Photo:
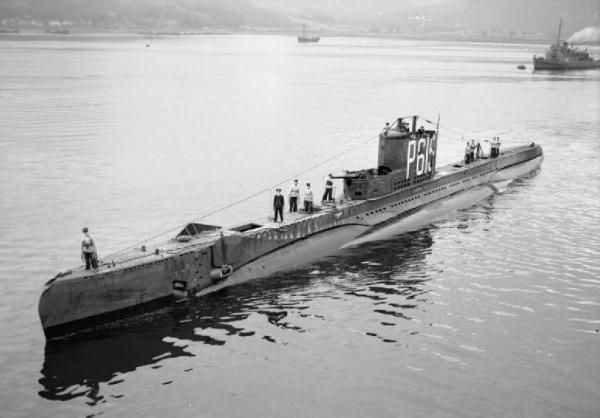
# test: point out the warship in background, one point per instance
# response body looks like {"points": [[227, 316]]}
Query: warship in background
{"points": [[561, 56], [203, 258], [305, 37]]}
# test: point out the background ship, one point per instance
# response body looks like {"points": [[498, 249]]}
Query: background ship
{"points": [[306, 37], [561, 56], [58, 30]]}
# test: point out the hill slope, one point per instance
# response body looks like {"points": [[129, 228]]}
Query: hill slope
{"points": [[143, 13]]}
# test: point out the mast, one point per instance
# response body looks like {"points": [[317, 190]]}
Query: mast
{"points": [[559, 29]]}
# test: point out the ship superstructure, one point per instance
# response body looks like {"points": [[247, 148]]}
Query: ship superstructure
{"points": [[203, 258], [562, 56]]}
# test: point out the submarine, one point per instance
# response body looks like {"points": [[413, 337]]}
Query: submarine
{"points": [[203, 258]]}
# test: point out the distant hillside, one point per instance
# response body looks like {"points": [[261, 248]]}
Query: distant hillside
{"points": [[469, 19], [481, 16], [181, 14]]}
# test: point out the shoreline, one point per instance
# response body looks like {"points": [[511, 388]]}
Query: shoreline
{"points": [[77, 34]]}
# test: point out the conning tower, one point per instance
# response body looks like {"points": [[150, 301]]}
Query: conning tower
{"points": [[407, 153]]}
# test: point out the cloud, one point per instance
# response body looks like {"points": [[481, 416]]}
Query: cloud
{"points": [[589, 34]]}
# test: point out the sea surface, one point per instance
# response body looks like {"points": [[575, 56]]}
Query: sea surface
{"points": [[492, 310]]}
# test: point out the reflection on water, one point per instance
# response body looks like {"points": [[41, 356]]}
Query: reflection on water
{"points": [[391, 278], [444, 321]]}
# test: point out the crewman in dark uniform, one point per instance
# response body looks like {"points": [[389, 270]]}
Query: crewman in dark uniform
{"points": [[278, 205], [328, 195], [472, 150], [467, 153]]}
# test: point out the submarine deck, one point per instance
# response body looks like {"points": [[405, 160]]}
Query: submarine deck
{"points": [[158, 252]]}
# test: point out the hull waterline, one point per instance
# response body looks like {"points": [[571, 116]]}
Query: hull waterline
{"points": [[204, 258]]}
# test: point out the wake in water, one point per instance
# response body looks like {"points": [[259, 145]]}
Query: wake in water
{"points": [[432, 212]]}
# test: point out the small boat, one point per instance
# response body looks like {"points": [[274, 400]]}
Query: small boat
{"points": [[561, 56], [305, 37], [521, 67], [57, 30], [204, 258]]}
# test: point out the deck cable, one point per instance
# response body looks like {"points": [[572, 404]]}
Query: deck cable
{"points": [[237, 202]]}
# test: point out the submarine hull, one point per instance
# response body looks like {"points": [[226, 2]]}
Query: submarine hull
{"points": [[209, 261], [543, 64]]}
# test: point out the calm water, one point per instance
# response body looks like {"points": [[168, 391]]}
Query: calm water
{"points": [[491, 311]]}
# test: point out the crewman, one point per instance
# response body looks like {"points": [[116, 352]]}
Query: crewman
{"points": [[294, 194], [278, 205], [421, 132], [88, 251], [308, 199], [467, 153], [328, 195], [386, 128], [472, 149], [495, 152]]}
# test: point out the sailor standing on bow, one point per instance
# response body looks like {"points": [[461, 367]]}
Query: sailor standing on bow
{"points": [[88, 251]]}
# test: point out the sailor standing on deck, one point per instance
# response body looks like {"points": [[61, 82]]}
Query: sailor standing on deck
{"points": [[472, 149], [308, 199], [278, 205], [495, 151], [328, 195], [294, 194], [88, 251], [467, 153]]}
